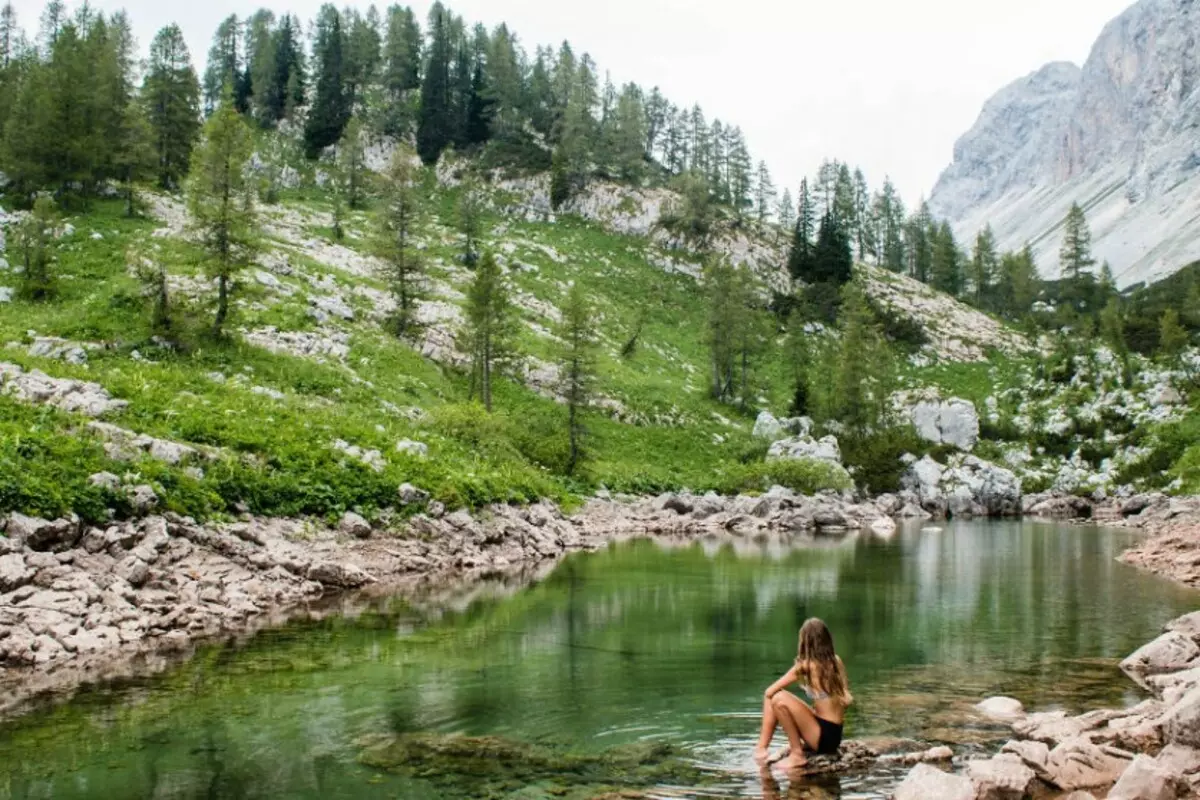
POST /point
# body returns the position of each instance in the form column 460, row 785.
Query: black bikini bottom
column 831, row 737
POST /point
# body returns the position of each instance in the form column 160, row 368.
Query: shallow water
column 638, row 642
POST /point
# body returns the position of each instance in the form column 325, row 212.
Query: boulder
column 1003, row 777
column 354, row 525
column 954, row 422
column 105, row 480
column 1188, row 625
column 1171, row 652
column 965, row 487
column 338, row 576
column 1002, row 708
column 1146, row 779
column 679, row 504
column 410, row 495
column 135, row 571
column 143, row 498
column 1059, row 507
column 767, row 427
column 1081, row 764
column 1181, row 724
column 14, row 573
column 415, row 449
column 806, row 448
column 1032, row 754
column 43, row 535
column 926, row 782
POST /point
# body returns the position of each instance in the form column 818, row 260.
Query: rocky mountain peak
column 1116, row 136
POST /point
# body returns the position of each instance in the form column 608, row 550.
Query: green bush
column 875, row 457
column 803, row 476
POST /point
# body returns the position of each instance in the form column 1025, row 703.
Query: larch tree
column 171, row 94
column 764, row 193
column 351, row 164
column 984, row 265
column 489, row 336
column 946, row 261
column 34, row 245
column 1173, row 338
column 470, row 221
column 577, row 369
column 404, row 269
column 736, row 331
column 221, row 202
column 1075, row 256
column 785, row 213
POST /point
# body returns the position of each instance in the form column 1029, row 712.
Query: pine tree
column 1075, row 257
column 577, row 368
column 351, row 163
column 470, row 221
column 10, row 37
column 362, row 53
column 629, row 135
column 889, row 211
column 490, row 332
column 844, row 206
column 225, row 66
column 288, row 80
column 34, row 245
column 1173, row 338
column 764, row 193
column 221, row 202
column 832, row 260
column 435, row 127
column 261, row 42
column 785, row 213
column 332, row 103
column 984, row 264
column 1019, row 284
column 946, row 261
column 863, row 229
column 171, row 93
column 800, row 257
column 919, row 244
column 395, row 224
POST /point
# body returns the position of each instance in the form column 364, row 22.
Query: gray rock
column 1146, row 779
column 333, row 305
column 410, row 495
column 1182, row 723
column 926, row 782
column 354, row 525
column 105, row 480
column 767, row 427
column 338, row 576
column 417, row 449
column 143, row 498
column 954, row 422
column 806, row 448
column 1003, row 708
column 1003, row 777
column 1081, row 764
column 6, row 293
column 135, row 571
column 40, row 534
column 1170, row 652
column 680, row 505
column 14, row 573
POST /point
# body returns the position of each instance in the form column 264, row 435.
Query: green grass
column 277, row 456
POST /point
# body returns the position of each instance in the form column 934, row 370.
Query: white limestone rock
column 954, row 422
column 806, row 447
column 925, row 782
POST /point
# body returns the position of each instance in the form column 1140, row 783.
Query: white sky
column 887, row 85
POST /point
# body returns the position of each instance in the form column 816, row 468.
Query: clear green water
column 638, row 642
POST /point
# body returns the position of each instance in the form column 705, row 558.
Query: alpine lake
column 635, row 671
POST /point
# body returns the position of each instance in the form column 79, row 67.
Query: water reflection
column 637, row 642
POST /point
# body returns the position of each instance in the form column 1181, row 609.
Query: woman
column 822, row 675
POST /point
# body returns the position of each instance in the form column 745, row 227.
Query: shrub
column 876, row 456
column 803, row 476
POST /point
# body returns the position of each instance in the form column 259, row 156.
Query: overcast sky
column 888, row 85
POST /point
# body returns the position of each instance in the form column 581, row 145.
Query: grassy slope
column 279, row 457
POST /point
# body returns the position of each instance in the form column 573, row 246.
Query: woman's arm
column 778, row 686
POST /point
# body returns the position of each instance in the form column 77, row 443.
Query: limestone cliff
column 1117, row 136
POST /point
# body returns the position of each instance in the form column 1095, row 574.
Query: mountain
column 1117, row 136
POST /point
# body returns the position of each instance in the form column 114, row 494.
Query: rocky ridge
column 1115, row 136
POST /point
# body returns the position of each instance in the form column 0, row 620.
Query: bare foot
column 793, row 763
column 761, row 754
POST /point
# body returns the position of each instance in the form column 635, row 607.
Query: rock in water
column 1002, row 708
column 925, row 783
column 1171, row 652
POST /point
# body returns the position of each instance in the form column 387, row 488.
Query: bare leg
column 769, row 721
column 800, row 724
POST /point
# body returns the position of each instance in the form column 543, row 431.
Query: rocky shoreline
column 83, row 604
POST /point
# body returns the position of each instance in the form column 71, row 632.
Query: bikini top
column 815, row 696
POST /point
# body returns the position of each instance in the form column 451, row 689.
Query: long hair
column 818, row 664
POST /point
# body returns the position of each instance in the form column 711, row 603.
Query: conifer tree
column 134, row 157
column 946, row 261
column 1172, row 336
column 288, row 80
column 35, row 247
column 470, row 221
column 225, row 66
column 489, row 336
column 919, row 244
column 1112, row 330
column 736, row 330
column 863, row 230
column 889, row 212
column 435, row 127
column 832, row 260
column 800, row 257
column 171, row 93
column 332, row 103
column 785, row 213
column 395, row 224
column 577, row 368
column 1075, row 257
column 351, row 163
column 1019, row 284
column 261, row 42
column 10, row 37
column 864, row 375
column 984, row 264
column 221, row 202
column 764, row 193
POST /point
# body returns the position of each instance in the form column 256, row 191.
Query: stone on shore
column 1170, row 652
column 1182, row 723
column 1081, row 764
column 926, row 782
column 1002, row 777
column 354, row 525
column 1146, row 779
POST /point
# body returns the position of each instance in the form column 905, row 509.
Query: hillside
column 313, row 408
column 1115, row 136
